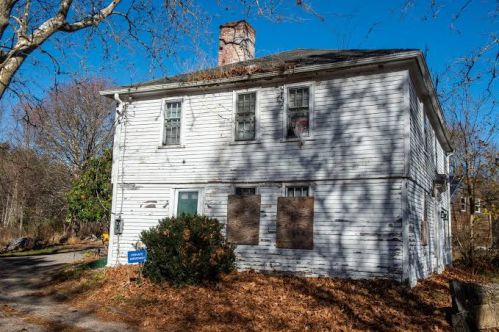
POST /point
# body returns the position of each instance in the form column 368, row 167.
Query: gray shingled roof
column 284, row 60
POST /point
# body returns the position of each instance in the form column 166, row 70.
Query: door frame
column 176, row 191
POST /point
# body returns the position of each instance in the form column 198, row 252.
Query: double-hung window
column 298, row 113
column 463, row 204
column 245, row 117
column 477, row 205
column 172, row 116
column 430, row 141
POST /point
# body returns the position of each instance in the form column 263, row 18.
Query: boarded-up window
column 424, row 224
column 243, row 219
column 295, row 222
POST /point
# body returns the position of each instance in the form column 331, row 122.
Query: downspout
column 115, row 182
column 449, row 212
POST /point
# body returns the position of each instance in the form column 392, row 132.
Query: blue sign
column 138, row 256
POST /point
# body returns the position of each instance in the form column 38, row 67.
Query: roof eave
column 304, row 69
column 435, row 102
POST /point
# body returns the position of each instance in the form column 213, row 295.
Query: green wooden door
column 187, row 202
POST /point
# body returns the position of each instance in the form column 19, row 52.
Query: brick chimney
column 236, row 42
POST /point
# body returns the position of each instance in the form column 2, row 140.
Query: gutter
column 305, row 69
column 434, row 100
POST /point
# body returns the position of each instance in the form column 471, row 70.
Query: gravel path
column 22, row 308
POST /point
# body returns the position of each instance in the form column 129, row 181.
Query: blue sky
column 344, row 24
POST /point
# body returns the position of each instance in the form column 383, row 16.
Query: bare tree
column 32, row 190
column 26, row 26
column 73, row 123
column 473, row 127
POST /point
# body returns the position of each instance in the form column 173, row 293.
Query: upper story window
column 297, row 191
column 427, row 133
column 430, row 140
column 298, row 113
column 435, row 150
column 245, row 116
column 172, row 116
column 245, row 191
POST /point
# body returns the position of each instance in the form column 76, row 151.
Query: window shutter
column 243, row 219
column 295, row 222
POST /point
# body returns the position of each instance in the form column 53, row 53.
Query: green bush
column 89, row 200
column 187, row 249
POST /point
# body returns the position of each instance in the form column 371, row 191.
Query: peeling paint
column 149, row 204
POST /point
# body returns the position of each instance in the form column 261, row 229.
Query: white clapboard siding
column 433, row 257
column 363, row 110
column 344, row 242
column 354, row 162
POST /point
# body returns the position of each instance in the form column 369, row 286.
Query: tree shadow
column 23, row 288
column 354, row 163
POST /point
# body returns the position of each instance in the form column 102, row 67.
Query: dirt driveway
column 22, row 308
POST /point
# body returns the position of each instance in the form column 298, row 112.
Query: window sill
column 245, row 142
column 177, row 146
column 305, row 139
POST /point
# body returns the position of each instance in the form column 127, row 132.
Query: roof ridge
column 294, row 57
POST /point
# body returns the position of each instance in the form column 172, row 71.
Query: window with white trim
column 463, row 204
column 427, row 135
column 172, row 118
column 298, row 113
column 297, row 191
column 245, row 117
column 478, row 205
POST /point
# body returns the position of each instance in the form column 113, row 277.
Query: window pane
column 245, row 117
column 172, row 123
column 187, row 202
column 298, row 123
column 241, row 191
column 301, row 191
column 298, row 112
column 298, row 97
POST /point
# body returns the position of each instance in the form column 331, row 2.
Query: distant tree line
column 55, row 175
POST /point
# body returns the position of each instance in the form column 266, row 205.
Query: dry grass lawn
column 255, row 302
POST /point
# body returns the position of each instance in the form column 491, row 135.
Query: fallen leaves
column 253, row 302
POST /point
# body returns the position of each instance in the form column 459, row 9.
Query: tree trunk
column 7, row 70
column 21, row 215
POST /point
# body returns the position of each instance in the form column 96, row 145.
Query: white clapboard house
column 318, row 162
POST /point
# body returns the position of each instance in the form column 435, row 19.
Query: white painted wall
column 425, row 260
column 354, row 161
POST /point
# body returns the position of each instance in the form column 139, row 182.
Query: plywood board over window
column 295, row 222
column 243, row 219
